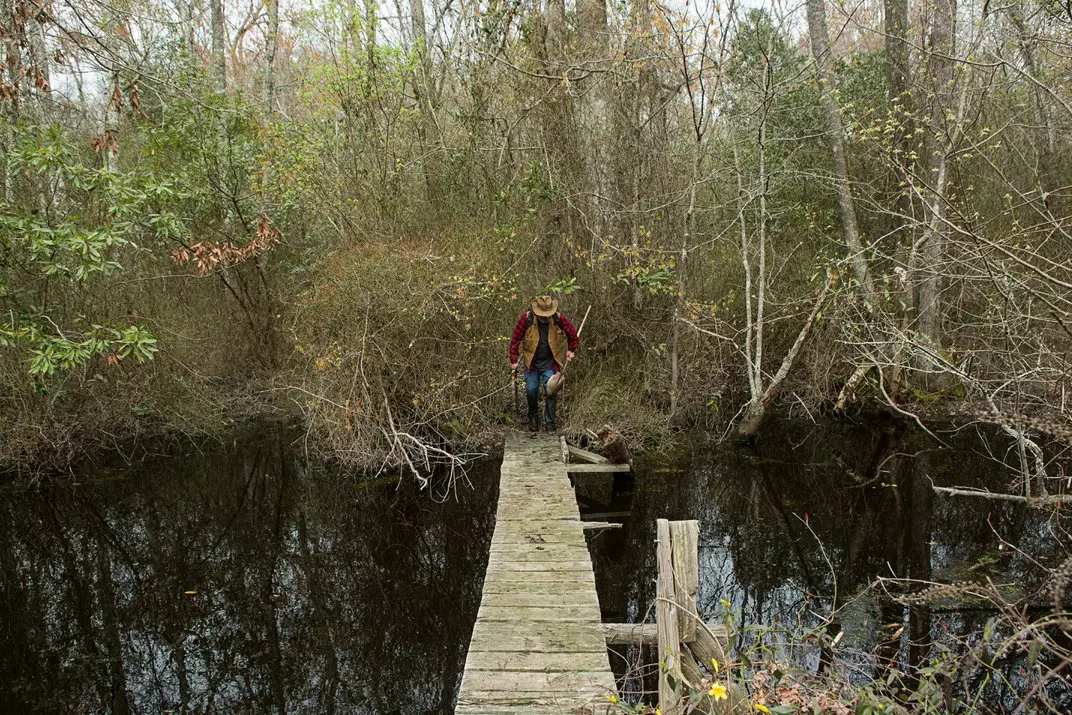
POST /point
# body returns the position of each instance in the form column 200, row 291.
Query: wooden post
column 666, row 623
column 684, row 536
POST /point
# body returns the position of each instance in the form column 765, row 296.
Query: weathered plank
column 534, row 613
column 537, row 644
column 666, row 620
column 558, row 550
column 548, row 588
column 599, row 525
column 502, row 702
column 684, row 538
column 543, row 662
column 526, row 598
column 578, row 579
column 709, row 640
column 517, row 565
column 586, row 456
column 541, row 683
column 597, row 468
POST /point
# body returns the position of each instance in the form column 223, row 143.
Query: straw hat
column 545, row 306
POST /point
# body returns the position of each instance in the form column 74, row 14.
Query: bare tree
column 219, row 44
column 271, row 42
column 835, row 131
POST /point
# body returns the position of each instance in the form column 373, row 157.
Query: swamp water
column 243, row 579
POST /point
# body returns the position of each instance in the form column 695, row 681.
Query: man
column 547, row 340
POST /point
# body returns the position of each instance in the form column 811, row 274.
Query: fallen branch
column 1057, row 500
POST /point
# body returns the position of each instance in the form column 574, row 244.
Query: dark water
column 807, row 520
column 243, row 579
column 237, row 580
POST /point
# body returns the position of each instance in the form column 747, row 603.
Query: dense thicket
column 343, row 207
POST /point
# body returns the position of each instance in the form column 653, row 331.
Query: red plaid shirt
column 523, row 324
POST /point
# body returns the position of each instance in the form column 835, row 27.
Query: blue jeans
column 534, row 380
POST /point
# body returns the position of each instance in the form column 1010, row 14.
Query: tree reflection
column 795, row 530
column 237, row 580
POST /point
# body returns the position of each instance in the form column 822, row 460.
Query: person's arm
column 572, row 339
column 515, row 341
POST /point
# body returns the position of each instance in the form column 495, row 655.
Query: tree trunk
column 271, row 43
column 679, row 303
column 112, row 118
column 940, row 72
column 219, row 43
column 900, row 110
column 1029, row 51
column 757, row 410
column 422, row 87
column 13, row 65
column 594, row 53
column 189, row 29
column 371, row 24
column 820, row 50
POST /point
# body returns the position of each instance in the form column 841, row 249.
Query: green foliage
column 564, row 286
column 96, row 215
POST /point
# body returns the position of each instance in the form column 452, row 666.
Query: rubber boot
column 534, row 413
column 549, row 416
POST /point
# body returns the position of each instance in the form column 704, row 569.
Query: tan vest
column 556, row 339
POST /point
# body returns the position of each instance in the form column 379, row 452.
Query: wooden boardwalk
column 538, row 646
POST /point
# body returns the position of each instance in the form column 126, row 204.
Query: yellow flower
column 714, row 665
column 760, row 707
column 612, row 699
column 718, row 692
column 725, row 603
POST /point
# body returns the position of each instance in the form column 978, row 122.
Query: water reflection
column 237, row 580
column 806, row 520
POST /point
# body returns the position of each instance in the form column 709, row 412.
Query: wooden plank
column 647, row 634
column 598, row 525
column 565, row 642
column 666, row 620
column 518, row 566
column 560, row 551
column 528, row 709
column 630, row 633
column 543, row 662
column 576, row 579
column 535, row 613
column 597, row 468
column 544, row 683
column 482, row 709
column 526, row 597
column 537, row 645
column 710, row 642
column 586, row 456
column 556, row 589
column 684, row 538
column 543, row 537
column 497, row 701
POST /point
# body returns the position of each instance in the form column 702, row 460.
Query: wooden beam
column 597, row 468
column 586, row 456
column 684, row 537
column 598, row 516
column 599, row 525
column 666, row 624
column 647, row 634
